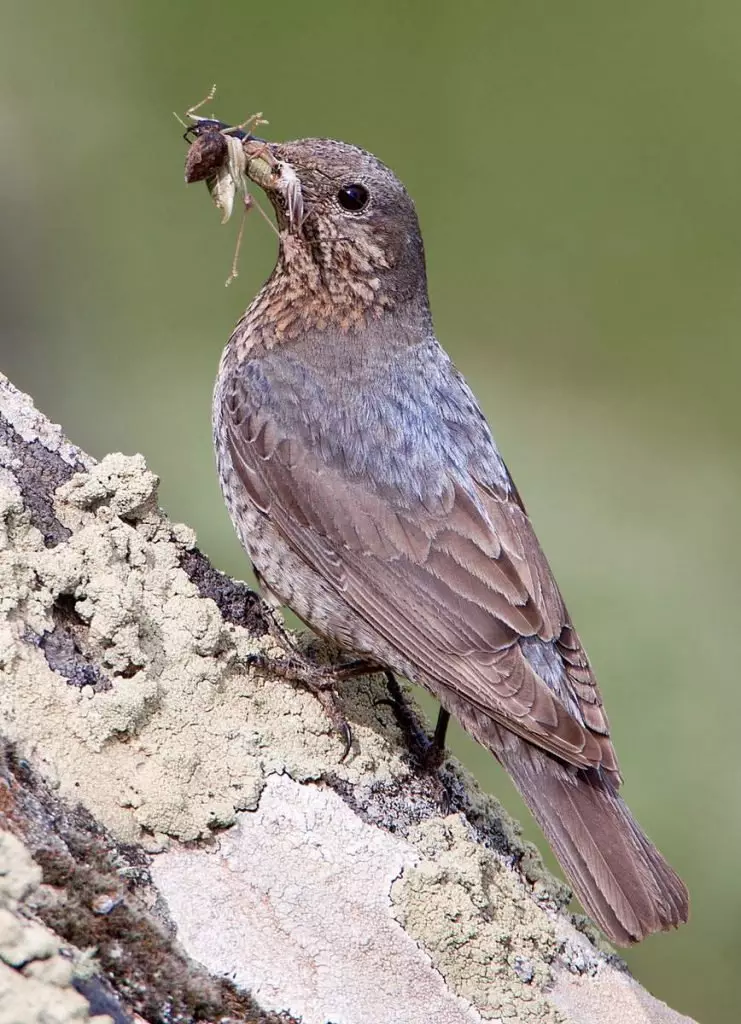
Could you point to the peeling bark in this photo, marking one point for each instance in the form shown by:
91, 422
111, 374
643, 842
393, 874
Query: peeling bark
191, 847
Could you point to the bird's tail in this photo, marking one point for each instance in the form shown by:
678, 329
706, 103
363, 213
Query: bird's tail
619, 876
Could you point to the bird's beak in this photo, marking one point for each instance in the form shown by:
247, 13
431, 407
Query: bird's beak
265, 168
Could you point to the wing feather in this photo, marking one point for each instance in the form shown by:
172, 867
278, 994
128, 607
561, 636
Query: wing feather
453, 581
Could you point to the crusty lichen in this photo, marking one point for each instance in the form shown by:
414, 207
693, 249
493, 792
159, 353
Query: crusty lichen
188, 733
484, 933
35, 979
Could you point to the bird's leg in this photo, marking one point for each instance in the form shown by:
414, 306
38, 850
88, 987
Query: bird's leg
297, 668
320, 680
441, 729
429, 753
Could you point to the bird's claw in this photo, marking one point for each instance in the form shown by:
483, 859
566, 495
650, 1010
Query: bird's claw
319, 680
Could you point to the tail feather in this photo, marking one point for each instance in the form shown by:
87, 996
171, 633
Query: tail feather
617, 873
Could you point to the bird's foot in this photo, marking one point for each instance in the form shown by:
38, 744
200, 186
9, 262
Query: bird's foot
297, 669
321, 680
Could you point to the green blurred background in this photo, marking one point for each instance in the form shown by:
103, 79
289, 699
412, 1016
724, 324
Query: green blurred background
577, 170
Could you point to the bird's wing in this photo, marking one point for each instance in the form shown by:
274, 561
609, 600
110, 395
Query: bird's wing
456, 584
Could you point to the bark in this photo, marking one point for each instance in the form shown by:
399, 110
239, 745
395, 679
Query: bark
179, 839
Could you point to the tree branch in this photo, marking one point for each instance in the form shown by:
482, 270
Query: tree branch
189, 818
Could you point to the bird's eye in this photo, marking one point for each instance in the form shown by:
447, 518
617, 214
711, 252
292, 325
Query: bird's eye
353, 197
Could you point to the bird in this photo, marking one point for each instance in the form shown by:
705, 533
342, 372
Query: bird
364, 483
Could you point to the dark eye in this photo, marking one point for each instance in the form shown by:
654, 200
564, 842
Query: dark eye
353, 197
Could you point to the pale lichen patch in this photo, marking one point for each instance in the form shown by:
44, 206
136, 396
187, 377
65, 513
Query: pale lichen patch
477, 922
122, 482
185, 735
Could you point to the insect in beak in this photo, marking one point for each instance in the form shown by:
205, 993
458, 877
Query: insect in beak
229, 157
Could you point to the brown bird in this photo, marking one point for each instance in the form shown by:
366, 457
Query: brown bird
364, 483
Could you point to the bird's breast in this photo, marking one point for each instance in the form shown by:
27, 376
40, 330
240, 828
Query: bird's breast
391, 412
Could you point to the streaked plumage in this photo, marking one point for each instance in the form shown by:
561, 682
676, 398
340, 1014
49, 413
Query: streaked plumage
364, 483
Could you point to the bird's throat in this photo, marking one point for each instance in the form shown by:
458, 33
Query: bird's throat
307, 292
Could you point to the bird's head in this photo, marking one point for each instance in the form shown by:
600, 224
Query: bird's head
350, 246
343, 212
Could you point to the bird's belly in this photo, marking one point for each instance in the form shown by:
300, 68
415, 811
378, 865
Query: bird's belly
293, 582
